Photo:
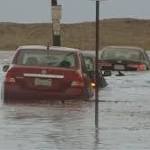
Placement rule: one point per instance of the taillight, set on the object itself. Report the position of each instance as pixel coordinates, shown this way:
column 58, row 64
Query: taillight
column 9, row 78
column 141, row 67
column 77, row 79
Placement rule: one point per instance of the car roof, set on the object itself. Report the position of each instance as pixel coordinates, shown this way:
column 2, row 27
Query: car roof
column 32, row 47
column 64, row 48
column 43, row 47
column 125, row 47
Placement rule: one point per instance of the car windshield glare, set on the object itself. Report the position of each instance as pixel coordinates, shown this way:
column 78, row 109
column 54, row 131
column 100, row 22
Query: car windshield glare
column 53, row 58
column 124, row 54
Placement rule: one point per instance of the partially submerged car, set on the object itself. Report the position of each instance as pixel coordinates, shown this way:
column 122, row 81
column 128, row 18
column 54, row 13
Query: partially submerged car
column 124, row 58
column 38, row 72
column 89, row 57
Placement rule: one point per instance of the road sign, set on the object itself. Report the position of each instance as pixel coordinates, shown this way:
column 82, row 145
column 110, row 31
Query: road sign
column 56, row 29
column 56, row 12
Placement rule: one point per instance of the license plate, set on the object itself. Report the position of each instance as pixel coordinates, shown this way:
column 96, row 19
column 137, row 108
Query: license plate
column 119, row 67
column 42, row 82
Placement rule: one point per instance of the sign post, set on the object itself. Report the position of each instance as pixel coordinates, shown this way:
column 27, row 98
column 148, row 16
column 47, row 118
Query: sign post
column 56, row 16
column 96, row 67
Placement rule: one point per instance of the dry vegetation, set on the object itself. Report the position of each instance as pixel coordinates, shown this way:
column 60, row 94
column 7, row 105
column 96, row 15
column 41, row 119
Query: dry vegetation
column 131, row 32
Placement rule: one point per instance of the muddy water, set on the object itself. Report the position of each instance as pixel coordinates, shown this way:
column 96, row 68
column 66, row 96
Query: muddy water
column 124, row 119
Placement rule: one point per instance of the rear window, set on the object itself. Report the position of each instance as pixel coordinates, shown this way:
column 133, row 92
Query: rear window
column 122, row 53
column 52, row 58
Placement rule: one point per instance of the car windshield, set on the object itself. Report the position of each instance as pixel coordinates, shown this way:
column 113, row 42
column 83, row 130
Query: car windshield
column 122, row 53
column 54, row 58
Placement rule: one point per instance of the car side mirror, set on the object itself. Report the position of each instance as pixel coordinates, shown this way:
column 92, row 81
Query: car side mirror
column 107, row 73
column 5, row 68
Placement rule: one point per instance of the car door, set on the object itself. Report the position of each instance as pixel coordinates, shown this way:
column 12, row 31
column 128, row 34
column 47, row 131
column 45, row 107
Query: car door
column 147, row 60
column 87, row 81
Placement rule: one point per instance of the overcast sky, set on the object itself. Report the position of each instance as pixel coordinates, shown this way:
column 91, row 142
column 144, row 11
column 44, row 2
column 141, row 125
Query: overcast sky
column 72, row 10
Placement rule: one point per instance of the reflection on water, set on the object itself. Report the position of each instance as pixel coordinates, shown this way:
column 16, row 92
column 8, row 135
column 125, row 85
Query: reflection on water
column 67, row 126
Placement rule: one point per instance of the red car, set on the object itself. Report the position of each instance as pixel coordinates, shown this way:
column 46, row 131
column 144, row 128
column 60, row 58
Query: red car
column 38, row 72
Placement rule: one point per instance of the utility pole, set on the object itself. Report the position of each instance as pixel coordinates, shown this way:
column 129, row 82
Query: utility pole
column 54, row 2
column 56, row 16
column 97, row 67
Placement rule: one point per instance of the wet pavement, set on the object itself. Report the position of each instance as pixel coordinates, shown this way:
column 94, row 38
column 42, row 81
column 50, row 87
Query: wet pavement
column 124, row 119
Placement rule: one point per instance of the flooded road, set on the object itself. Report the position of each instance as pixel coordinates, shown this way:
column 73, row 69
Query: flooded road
column 124, row 119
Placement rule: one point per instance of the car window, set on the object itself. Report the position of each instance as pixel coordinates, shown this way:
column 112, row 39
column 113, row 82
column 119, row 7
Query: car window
column 43, row 58
column 146, row 56
column 83, row 65
column 125, row 54
column 89, row 63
